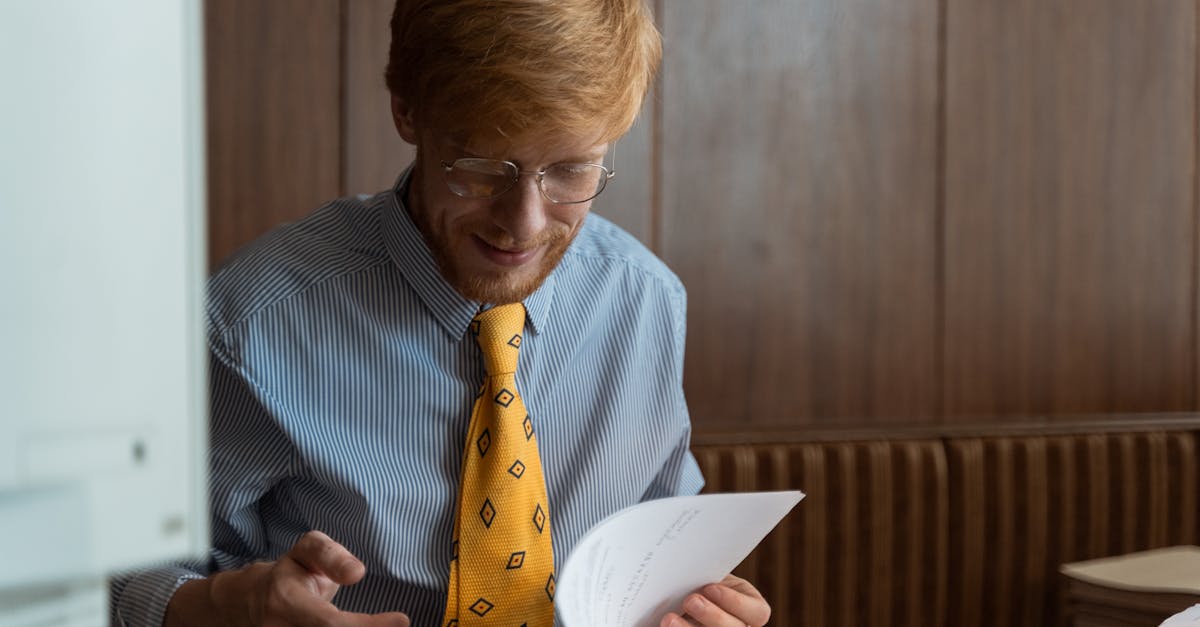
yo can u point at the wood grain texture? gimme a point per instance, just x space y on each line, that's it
868 544
798 187
1021 507
274 145
374 153
1069 221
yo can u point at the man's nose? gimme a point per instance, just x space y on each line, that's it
521 211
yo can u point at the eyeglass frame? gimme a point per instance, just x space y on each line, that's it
540 174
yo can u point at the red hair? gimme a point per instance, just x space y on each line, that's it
523 68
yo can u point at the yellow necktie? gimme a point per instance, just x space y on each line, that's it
502 569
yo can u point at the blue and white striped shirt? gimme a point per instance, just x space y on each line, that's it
343 377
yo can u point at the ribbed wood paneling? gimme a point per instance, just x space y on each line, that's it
867 546
1021 507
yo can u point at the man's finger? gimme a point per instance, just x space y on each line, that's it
675 620
741 585
317 613
319 553
741 601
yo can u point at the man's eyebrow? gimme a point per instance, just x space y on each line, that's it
588 157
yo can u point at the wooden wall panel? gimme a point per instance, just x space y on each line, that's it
787 168
867 546
274 142
374 153
798 187
1020 507
1069 219
628 200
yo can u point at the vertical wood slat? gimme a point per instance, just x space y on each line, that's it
848 544
1061 455
815 554
968 530
782 547
937 495
1130 479
1155 446
1037 529
1181 468
1098 492
880 572
999 595
868 542
273 105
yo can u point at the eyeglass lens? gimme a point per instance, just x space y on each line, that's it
561 182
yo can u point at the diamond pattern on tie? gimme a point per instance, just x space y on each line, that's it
487 513
504 398
482 607
504 567
539 519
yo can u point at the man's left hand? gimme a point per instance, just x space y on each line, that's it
732 603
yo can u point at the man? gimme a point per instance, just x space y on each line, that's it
350 431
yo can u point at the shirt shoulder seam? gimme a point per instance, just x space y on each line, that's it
225 329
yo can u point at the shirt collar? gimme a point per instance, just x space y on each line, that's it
411 254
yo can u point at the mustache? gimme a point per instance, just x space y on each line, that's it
505 241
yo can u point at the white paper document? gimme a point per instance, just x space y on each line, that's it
1187 618
641 562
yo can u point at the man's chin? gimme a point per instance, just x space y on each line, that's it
480 279
499 287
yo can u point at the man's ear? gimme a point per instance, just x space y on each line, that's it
403 119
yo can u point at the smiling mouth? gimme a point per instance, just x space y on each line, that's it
504 256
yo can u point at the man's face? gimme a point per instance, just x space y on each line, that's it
496 250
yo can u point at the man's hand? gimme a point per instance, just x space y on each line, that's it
294 590
732 603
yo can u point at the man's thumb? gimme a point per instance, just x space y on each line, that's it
319 553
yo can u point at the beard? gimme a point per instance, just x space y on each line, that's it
495 285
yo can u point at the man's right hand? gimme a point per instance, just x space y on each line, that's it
294 590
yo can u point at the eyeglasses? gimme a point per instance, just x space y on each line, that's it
561 183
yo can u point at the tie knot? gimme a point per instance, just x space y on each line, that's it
498 331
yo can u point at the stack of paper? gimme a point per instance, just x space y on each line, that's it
1134 590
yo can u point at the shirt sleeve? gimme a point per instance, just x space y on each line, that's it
139 598
248 454
680 474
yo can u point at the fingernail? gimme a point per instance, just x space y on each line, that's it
694 604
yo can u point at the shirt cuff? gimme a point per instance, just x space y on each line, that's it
139 599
